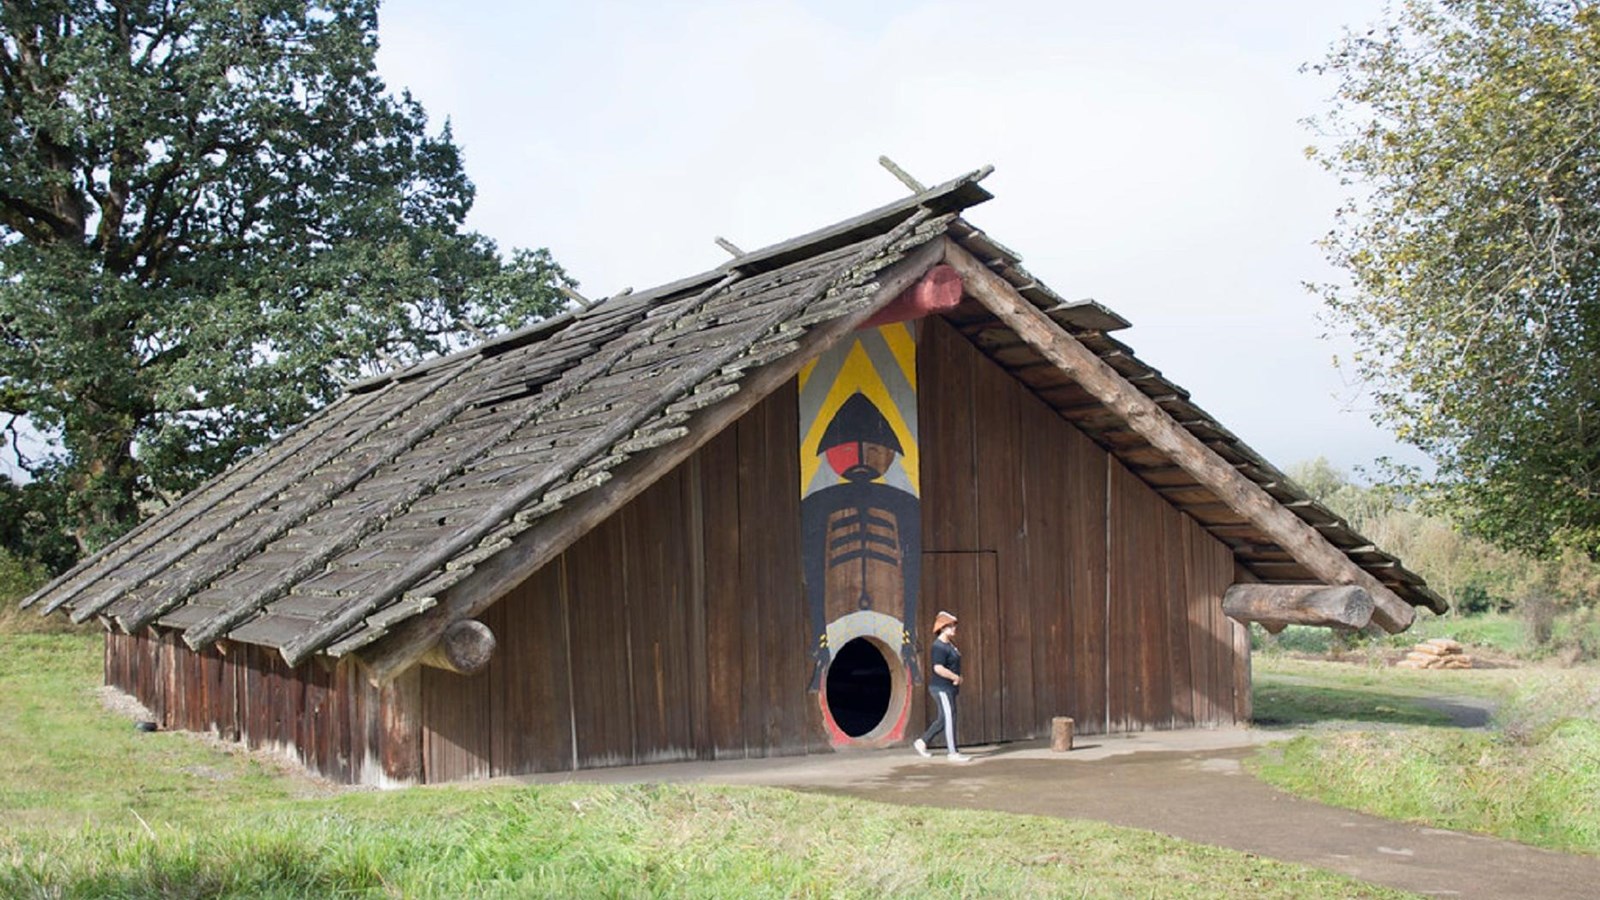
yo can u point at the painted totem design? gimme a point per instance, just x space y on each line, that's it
860 497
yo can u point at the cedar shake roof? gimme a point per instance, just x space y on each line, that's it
417 482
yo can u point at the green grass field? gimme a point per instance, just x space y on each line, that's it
89 807
1498 632
1533 777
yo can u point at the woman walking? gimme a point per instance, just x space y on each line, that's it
943 684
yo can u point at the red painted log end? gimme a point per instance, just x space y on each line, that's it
936 292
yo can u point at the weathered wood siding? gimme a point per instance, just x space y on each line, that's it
1105 602
324 715
682 618
678 628
674 630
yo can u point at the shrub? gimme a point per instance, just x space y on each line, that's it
18 578
1576 636
1540 613
1541 708
1293 639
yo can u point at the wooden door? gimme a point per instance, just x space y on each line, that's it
964 584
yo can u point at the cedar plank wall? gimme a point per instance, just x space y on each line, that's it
317 713
680 621
1004 476
678 628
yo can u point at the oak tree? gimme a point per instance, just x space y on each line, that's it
1468 135
211 214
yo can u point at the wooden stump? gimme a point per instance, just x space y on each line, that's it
1061 734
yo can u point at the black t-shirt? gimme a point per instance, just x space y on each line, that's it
944 654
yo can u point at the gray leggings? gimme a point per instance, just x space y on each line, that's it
944 719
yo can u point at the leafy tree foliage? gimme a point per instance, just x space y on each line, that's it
31 526
1469 134
1472 574
212 213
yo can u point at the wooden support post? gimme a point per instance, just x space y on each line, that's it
1061 734
1300 540
464 648
400 730
1276 606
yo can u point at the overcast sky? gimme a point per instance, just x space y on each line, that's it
1150 156
1147 155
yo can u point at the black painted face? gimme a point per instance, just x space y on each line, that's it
858 443
860 460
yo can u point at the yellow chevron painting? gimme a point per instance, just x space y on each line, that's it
860 485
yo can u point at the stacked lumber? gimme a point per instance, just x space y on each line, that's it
1436 653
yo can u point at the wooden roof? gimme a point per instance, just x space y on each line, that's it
416 482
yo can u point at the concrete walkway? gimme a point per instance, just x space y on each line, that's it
1189 784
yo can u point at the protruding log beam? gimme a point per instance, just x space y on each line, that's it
1276 606
1300 540
936 292
464 648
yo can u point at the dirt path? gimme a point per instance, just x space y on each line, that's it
1206 797
1187 784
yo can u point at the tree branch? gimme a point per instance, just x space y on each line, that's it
31 221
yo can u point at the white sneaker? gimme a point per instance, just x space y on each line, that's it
957 757
921 747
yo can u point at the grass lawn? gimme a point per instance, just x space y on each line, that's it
90 808
1501 631
1533 777
1290 691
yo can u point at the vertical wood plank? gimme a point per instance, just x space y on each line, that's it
1154 634
1121 690
455 725
658 594
1087 492
366 720
171 703
400 728
529 696
777 662
1219 670
249 700
597 611
1178 587
272 698
725 607
312 742
754 713
1045 597
699 673
1002 528
948 502
947 437
1243 706
1197 619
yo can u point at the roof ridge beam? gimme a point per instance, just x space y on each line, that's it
1302 541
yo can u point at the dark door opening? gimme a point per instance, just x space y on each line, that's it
859 687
